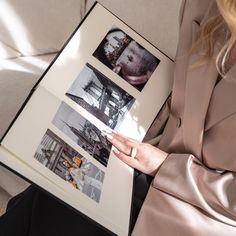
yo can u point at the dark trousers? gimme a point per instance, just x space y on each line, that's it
36 213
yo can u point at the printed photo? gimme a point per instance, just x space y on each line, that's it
100 96
83 132
71 166
127 58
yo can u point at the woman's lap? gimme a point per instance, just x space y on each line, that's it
36 213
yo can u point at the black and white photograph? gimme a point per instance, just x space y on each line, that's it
83 133
127 58
71 166
100 96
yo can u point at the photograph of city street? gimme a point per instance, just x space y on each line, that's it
71 166
100 96
126 57
84 133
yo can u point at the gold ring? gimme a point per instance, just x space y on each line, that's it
133 152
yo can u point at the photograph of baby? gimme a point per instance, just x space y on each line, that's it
71 166
83 133
100 96
126 57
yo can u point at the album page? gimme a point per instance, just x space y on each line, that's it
107 77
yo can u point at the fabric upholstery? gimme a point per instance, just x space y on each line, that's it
35 27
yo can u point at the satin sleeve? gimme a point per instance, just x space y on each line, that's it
213 191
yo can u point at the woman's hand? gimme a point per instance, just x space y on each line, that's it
141 156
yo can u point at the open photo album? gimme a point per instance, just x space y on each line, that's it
106 77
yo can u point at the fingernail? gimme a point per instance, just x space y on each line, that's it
109 136
107 131
116 151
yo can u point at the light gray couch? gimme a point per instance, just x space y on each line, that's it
33 31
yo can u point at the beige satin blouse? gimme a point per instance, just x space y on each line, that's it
194 191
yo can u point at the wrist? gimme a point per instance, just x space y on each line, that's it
162 158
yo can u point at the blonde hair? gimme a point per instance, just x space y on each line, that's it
215 25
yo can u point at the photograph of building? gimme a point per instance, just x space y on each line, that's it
100 96
83 132
127 58
71 166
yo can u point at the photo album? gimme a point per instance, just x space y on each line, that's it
106 77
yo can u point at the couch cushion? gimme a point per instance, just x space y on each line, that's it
7 52
36 27
17 77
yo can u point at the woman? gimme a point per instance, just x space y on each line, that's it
80 176
194 186
129 60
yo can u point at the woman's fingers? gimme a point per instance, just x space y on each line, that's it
126 159
124 146
122 143
118 136
117 69
126 149
123 138
141 156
